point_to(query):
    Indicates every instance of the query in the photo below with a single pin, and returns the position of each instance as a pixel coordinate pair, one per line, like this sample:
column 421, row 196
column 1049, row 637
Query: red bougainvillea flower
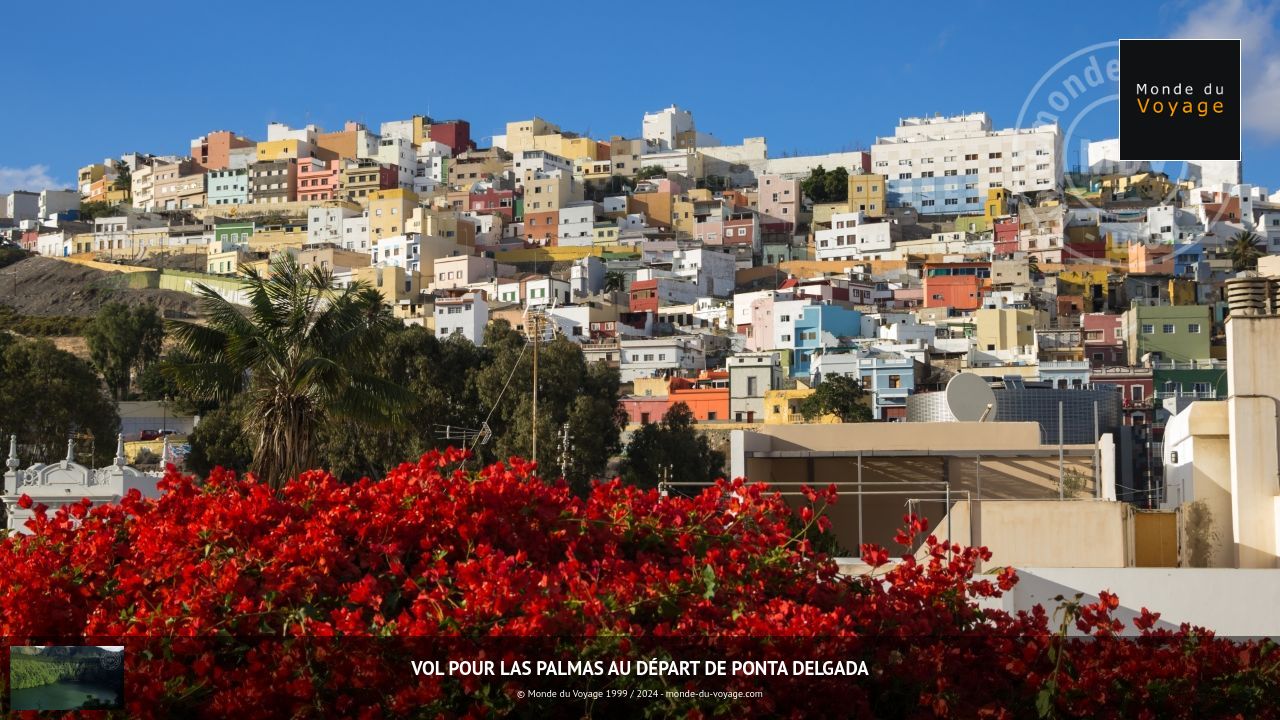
column 234, row 600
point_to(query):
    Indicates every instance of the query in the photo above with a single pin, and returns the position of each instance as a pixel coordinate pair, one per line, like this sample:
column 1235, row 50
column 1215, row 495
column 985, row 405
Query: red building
column 213, row 151
column 494, row 202
column 454, row 133
column 644, row 296
column 1104, row 339
column 960, row 286
column 1005, row 232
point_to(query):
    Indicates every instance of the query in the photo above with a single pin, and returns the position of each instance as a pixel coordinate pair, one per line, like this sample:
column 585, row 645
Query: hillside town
column 1090, row 297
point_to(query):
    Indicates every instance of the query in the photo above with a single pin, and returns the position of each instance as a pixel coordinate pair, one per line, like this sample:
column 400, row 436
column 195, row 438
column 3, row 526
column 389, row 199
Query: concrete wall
column 1045, row 533
column 1200, row 482
column 1253, row 374
column 1180, row 595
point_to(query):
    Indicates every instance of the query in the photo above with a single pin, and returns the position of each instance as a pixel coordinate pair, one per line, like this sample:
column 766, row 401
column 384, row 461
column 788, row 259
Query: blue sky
column 87, row 80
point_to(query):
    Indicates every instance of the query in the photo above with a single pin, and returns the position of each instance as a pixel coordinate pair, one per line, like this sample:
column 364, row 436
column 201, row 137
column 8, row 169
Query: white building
column 665, row 127
column 465, row 315
column 53, row 202
column 946, row 165
column 577, row 224
column 751, row 375
column 23, row 205
column 459, row 271
column 714, row 272
column 355, row 232
column 324, row 223
column 1104, row 159
column 654, row 357
column 66, row 482
column 403, row 251
column 851, row 237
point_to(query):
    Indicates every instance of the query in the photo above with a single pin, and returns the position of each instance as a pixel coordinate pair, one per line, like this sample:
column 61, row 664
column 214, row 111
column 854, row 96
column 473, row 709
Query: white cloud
column 1254, row 24
column 34, row 178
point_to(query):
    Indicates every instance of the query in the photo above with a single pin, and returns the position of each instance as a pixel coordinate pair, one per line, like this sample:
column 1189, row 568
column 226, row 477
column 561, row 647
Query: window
column 1119, row 332
column 973, row 156
column 926, row 203
column 1148, row 329
column 1202, row 389
column 952, row 201
column 1136, row 392
column 1167, row 328
column 1193, row 328
column 949, row 173
column 971, row 171
column 995, row 169
column 993, row 156
column 904, row 176
column 895, row 381
column 711, row 415
column 927, row 174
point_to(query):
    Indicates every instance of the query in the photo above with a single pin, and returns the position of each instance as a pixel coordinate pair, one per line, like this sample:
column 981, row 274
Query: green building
column 232, row 234
column 1168, row 332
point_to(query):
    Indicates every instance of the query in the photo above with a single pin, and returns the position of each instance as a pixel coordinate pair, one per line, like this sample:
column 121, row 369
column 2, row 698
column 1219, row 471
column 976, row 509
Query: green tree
column 45, row 394
column 124, row 176
column 124, row 340
column 438, row 375
column 823, row 187
column 838, row 395
column 1244, row 249
column 673, row 449
column 220, row 441
column 651, row 171
column 571, row 391
column 614, row 281
column 304, row 354
column 90, row 211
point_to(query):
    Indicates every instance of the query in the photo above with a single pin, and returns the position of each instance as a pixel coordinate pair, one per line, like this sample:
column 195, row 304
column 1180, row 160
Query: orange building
column 1155, row 259
column 956, row 285
column 213, row 151
column 542, row 228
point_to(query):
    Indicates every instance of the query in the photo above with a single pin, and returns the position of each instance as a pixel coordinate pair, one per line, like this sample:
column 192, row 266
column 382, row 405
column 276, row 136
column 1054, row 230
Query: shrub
column 234, row 600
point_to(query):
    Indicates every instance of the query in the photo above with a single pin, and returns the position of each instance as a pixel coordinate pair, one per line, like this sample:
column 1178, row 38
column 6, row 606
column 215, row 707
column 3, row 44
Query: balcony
column 1210, row 394
column 1189, row 365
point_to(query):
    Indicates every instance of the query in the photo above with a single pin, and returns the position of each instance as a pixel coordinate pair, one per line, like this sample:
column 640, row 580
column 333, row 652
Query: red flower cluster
column 234, row 600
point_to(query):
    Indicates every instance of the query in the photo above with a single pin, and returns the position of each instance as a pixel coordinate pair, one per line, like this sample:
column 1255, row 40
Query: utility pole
column 534, row 317
column 564, row 451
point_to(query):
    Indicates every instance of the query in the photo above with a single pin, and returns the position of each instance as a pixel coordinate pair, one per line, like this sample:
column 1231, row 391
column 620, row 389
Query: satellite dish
column 970, row 398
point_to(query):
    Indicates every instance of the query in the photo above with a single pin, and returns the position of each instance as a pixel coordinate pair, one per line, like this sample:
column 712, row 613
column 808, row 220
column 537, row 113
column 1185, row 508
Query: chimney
column 1251, row 294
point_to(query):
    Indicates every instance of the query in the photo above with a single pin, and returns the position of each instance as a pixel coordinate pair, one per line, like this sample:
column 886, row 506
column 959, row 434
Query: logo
column 1180, row 98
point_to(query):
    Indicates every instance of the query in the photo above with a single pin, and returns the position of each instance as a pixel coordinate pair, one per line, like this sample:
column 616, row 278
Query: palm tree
column 302, row 353
column 1244, row 249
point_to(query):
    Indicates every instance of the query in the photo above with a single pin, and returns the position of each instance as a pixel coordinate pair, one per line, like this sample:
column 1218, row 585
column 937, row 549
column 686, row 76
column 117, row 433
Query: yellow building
column 782, row 407
column 997, row 204
column 274, row 238
column 395, row 284
column 867, row 194
column 1006, row 328
column 1078, row 280
column 605, row 234
column 521, row 134
column 283, row 149
column 390, row 212
column 1148, row 186
column 88, row 175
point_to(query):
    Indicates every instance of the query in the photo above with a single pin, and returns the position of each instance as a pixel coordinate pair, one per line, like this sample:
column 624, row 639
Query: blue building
column 888, row 378
column 822, row 326
column 946, row 195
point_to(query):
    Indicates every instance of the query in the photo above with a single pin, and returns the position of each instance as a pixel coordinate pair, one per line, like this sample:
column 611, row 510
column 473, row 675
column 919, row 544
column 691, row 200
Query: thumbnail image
column 66, row 677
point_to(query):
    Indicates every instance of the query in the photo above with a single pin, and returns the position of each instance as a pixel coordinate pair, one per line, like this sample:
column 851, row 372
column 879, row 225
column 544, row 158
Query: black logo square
column 1180, row 99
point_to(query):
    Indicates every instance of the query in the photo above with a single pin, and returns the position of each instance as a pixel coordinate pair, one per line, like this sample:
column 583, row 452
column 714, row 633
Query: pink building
column 317, row 180
column 760, row 332
column 779, row 201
